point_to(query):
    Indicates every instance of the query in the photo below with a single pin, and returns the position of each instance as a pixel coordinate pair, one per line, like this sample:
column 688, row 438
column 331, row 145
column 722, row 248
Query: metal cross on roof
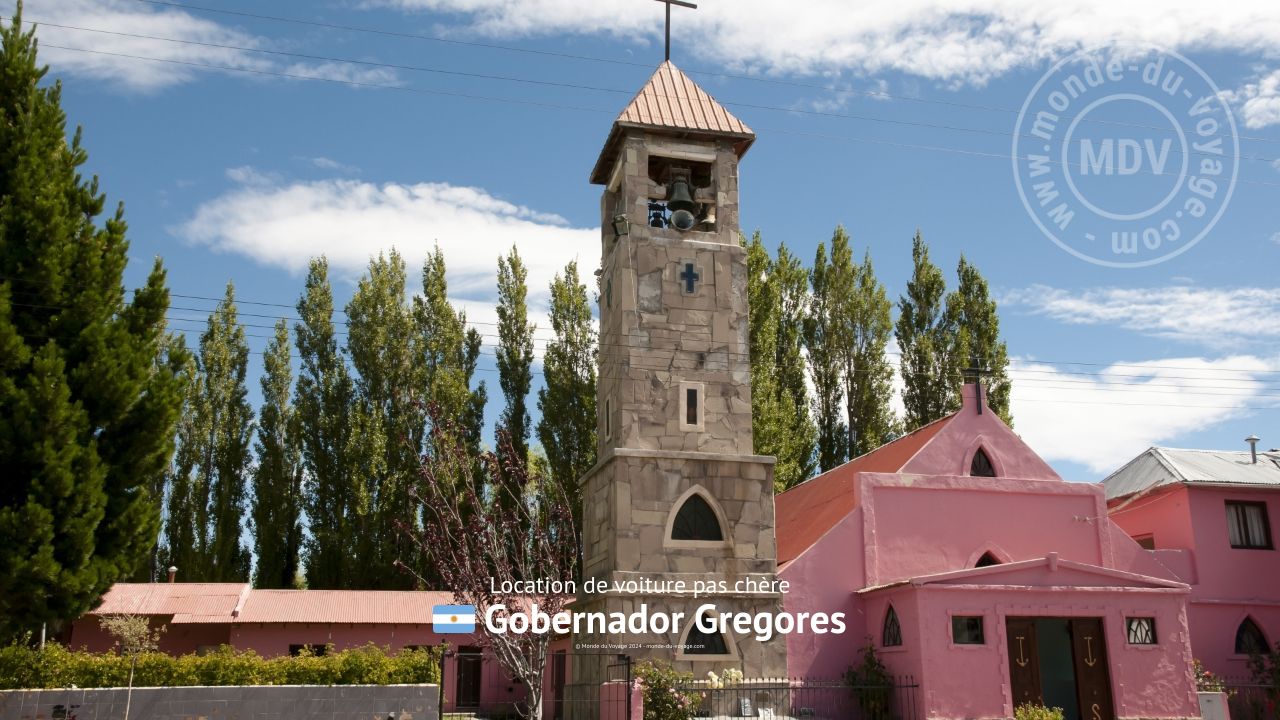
column 669, row 3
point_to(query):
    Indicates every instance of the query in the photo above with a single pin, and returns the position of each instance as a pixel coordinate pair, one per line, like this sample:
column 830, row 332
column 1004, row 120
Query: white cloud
column 1275, row 238
column 325, row 163
column 1059, row 411
column 1206, row 316
column 286, row 224
column 129, row 19
column 947, row 40
column 1258, row 102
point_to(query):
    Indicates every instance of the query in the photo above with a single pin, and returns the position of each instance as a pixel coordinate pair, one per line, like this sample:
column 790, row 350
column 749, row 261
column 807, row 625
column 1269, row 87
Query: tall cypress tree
column 820, row 329
column 324, row 398
column 567, row 427
column 385, row 353
column 210, row 478
column 90, row 398
column 515, row 355
column 277, row 478
column 869, row 377
column 972, row 316
column 927, row 341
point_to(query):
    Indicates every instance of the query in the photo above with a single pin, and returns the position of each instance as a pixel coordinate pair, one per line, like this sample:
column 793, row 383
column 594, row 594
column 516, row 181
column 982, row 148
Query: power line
column 558, row 106
column 594, row 88
column 632, row 63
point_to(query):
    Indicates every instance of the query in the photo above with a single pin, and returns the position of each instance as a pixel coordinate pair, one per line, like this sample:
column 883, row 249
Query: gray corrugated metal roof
column 1168, row 466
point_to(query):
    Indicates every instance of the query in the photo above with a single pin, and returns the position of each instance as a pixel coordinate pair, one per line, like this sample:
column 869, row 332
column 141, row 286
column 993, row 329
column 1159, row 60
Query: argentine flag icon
column 453, row 618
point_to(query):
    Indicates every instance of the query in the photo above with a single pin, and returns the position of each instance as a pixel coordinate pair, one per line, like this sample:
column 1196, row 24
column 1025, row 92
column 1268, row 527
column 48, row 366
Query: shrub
column 56, row 666
column 1206, row 681
column 872, row 684
column 663, row 698
column 1031, row 711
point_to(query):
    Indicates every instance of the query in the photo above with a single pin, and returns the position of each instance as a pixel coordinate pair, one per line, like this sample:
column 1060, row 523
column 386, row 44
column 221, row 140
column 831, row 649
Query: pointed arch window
column 987, row 559
column 891, row 635
column 1249, row 638
column 700, row 642
column 696, row 521
column 981, row 465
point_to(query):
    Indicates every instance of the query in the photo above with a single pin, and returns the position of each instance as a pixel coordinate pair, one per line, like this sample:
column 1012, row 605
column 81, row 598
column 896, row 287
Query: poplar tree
column 515, row 356
column 777, row 425
column 567, row 404
column 927, row 340
column 211, row 475
column 324, row 397
column 277, row 478
column 788, row 274
column 445, row 348
column 385, row 353
column 824, row 367
column 868, row 375
column 90, row 398
column 972, row 315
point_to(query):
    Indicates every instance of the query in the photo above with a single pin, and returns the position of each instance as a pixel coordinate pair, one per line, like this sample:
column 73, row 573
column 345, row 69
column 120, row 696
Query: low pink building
column 1209, row 515
column 199, row 617
column 970, row 565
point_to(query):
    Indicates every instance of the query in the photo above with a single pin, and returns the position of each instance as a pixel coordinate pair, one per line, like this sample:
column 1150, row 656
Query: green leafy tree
column 973, row 317
column 820, row 330
column 515, row 355
column 277, row 478
column 927, row 342
column 384, row 348
column 788, row 274
column 209, row 487
column 447, row 358
column 324, row 398
column 780, row 423
column 868, row 374
column 567, row 404
column 90, row 396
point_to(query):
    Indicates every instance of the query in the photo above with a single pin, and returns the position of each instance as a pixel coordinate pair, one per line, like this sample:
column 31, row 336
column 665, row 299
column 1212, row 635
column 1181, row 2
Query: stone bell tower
column 677, row 494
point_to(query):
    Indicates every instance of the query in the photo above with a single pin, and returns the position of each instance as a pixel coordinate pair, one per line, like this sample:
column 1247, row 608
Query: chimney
column 173, row 572
column 1253, row 447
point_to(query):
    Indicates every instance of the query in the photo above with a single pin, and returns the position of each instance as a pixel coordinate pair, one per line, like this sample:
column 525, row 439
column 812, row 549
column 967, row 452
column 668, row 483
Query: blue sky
column 885, row 118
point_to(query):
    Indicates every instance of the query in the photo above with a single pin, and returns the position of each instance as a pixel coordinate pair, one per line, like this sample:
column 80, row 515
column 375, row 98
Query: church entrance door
column 1060, row 662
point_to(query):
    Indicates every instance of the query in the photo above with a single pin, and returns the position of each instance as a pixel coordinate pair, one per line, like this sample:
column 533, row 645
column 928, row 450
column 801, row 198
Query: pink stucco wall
column 1227, row 584
column 86, row 633
column 825, row 580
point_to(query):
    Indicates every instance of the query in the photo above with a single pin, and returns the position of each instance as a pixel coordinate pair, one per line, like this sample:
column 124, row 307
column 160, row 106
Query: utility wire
column 557, row 106
column 594, row 88
column 632, row 63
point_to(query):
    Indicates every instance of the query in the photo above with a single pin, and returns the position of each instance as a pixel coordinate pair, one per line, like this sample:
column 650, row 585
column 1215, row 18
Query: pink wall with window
column 1227, row 584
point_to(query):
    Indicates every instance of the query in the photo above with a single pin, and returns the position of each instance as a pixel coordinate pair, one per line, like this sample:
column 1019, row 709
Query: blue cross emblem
column 689, row 276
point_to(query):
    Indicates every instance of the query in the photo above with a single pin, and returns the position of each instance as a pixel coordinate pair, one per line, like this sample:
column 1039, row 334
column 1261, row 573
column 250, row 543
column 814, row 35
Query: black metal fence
column 807, row 698
column 1249, row 700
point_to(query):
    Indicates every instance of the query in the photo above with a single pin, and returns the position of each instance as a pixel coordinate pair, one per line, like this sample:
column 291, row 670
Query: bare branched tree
column 484, row 528
column 134, row 635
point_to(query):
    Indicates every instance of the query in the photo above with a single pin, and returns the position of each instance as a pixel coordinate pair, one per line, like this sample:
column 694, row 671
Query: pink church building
column 1208, row 515
column 969, row 564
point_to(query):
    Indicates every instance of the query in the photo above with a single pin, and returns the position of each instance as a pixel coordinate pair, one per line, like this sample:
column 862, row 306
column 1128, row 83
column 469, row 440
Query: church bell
column 680, row 202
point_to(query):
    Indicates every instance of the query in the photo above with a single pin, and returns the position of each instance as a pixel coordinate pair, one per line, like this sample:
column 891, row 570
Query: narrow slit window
column 891, row 636
column 606, row 419
column 691, row 406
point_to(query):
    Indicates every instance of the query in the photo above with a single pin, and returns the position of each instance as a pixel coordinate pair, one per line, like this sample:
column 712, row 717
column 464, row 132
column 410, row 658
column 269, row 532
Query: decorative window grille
column 891, row 636
column 1141, row 630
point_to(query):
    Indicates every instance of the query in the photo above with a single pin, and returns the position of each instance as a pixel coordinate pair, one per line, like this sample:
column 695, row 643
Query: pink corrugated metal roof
column 186, row 602
column 671, row 100
column 341, row 606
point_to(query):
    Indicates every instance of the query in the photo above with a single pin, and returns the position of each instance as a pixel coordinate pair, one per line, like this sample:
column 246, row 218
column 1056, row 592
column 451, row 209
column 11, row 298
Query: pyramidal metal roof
column 671, row 101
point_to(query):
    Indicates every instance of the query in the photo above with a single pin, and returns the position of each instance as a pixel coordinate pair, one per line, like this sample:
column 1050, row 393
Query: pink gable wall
column 824, row 579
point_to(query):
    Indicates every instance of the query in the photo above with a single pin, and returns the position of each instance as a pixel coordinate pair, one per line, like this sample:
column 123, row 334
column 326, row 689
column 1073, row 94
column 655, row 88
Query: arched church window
column 696, row 521
column 981, row 465
column 700, row 642
column 891, row 635
column 987, row 560
column 1249, row 638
